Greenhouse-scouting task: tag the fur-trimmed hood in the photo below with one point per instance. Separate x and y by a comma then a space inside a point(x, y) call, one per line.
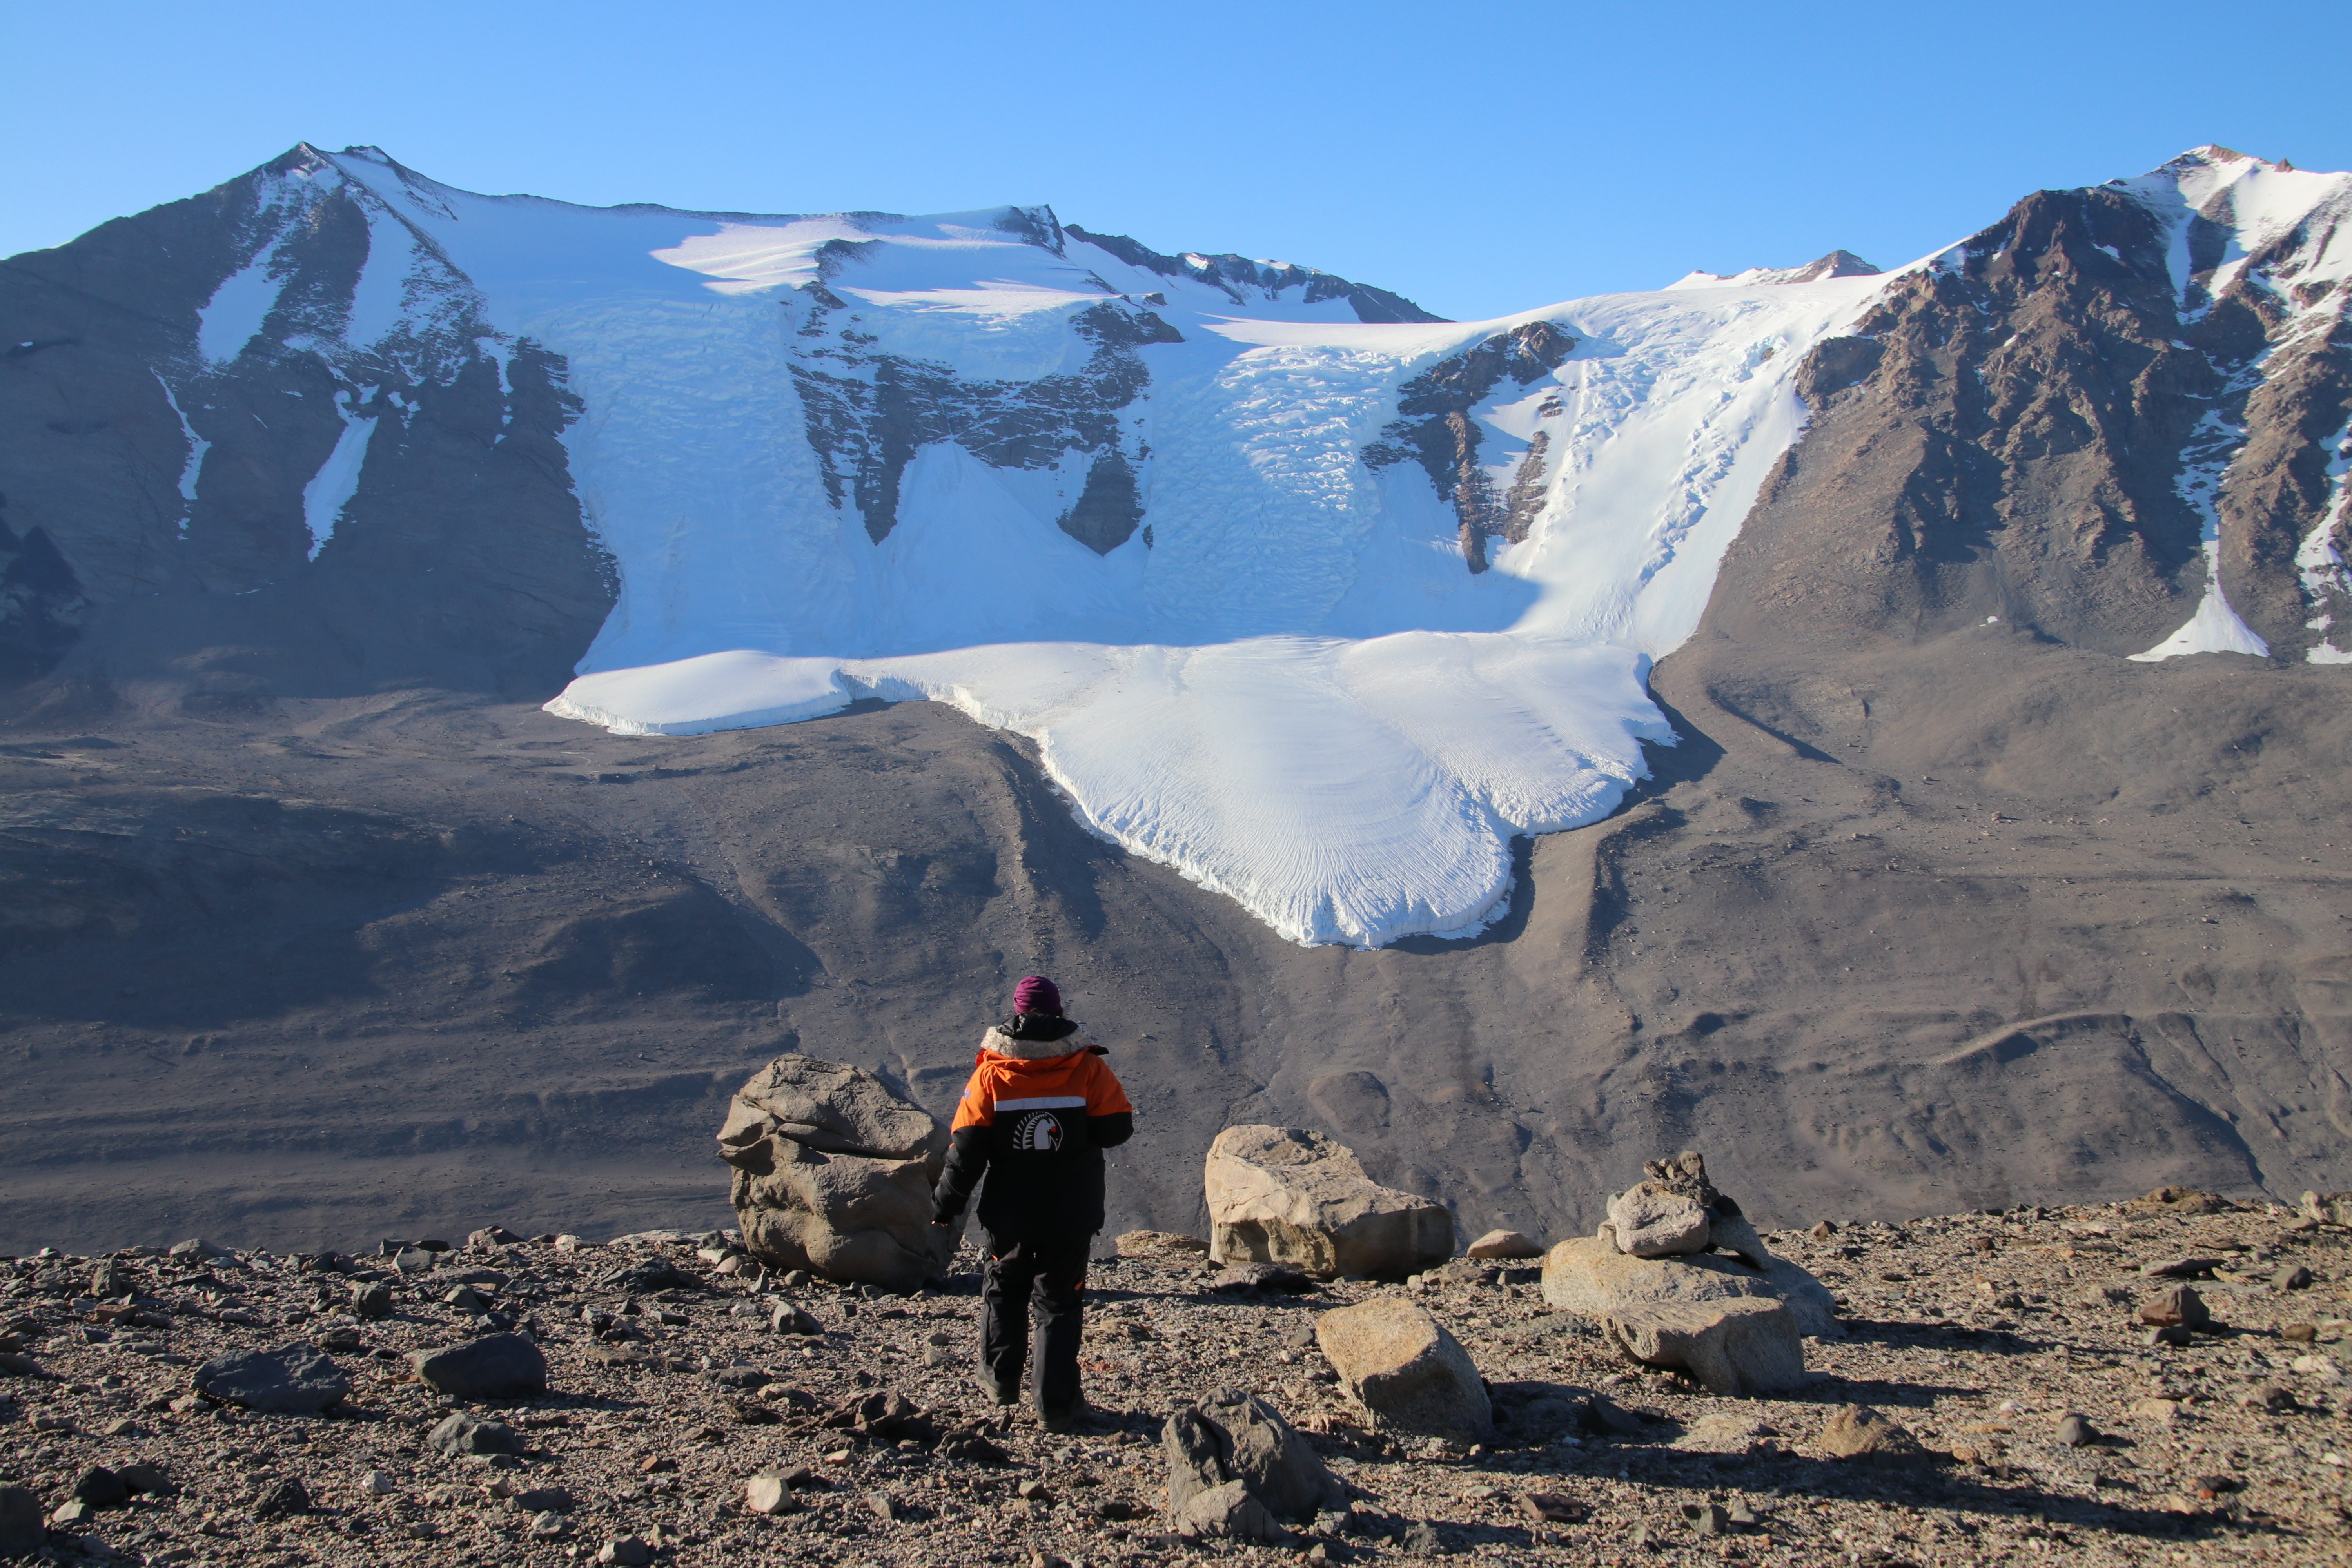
point(1037, 1036)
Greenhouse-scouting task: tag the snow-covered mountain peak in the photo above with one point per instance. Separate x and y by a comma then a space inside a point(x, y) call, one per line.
point(1299, 589)
point(1836, 263)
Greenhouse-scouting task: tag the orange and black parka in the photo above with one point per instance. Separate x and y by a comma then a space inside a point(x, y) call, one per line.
point(1041, 1106)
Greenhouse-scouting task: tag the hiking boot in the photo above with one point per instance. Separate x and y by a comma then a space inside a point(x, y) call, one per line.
point(1063, 1417)
point(996, 1392)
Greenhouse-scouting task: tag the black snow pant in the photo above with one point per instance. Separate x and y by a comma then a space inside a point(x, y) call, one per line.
point(1049, 1278)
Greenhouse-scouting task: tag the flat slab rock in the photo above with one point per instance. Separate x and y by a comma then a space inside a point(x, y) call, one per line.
point(1286, 1195)
point(496, 1366)
point(1587, 1275)
point(295, 1380)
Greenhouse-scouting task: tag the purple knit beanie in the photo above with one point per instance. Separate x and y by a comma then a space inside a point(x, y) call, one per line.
point(1035, 994)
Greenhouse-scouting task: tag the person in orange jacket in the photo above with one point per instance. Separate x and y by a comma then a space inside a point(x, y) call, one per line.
point(1041, 1108)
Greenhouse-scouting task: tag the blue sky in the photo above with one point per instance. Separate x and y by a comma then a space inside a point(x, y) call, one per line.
point(1478, 158)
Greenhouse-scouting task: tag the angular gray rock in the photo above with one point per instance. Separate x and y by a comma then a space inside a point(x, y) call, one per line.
point(1401, 1366)
point(295, 1380)
point(496, 1366)
point(1235, 1437)
point(465, 1433)
point(1737, 1348)
point(461, 1432)
point(834, 1173)
point(1283, 1194)
point(372, 1301)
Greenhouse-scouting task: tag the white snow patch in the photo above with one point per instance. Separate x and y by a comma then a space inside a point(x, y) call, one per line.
point(332, 488)
point(2215, 627)
point(234, 314)
point(197, 448)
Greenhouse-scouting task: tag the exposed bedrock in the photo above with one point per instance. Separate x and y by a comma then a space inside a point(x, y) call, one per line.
point(1434, 428)
point(2024, 434)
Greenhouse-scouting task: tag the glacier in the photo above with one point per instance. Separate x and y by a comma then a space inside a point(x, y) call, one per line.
point(1318, 603)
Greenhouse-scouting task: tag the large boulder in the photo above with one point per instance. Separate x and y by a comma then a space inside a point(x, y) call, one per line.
point(1233, 1437)
point(1738, 1348)
point(1404, 1370)
point(1282, 1194)
point(834, 1174)
point(1590, 1277)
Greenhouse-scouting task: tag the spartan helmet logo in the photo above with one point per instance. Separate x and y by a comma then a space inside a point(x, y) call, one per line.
point(1039, 1132)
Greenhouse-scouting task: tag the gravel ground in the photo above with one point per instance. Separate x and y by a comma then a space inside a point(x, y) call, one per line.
point(1979, 1333)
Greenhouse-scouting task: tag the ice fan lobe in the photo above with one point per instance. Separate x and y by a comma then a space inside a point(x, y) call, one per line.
point(269, 434)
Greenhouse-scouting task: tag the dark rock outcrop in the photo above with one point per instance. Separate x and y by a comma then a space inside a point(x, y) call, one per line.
point(1433, 427)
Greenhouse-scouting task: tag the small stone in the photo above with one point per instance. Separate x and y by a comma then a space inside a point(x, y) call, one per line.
point(1552, 1507)
point(2074, 1432)
point(1858, 1432)
point(2179, 1267)
point(1708, 1518)
point(2179, 1306)
point(2294, 1277)
point(378, 1483)
point(883, 1508)
point(2172, 1335)
point(1421, 1540)
point(767, 1494)
point(466, 1298)
point(2271, 1396)
point(1032, 1488)
point(462, 1432)
point(147, 1480)
point(72, 1513)
point(2158, 1410)
point(2299, 1333)
point(492, 1235)
point(100, 1488)
point(1502, 1244)
point(655, 1465)
point(784, 1318)
point(547, 1524)
point(628, 1550)
point(283, 1500)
